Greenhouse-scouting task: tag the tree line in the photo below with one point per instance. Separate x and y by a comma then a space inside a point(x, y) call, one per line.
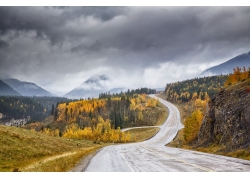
point(128, 93)
point(201, 88)
point(238, 75)
point(196, 106)
point(101, 119)
point(19, 107)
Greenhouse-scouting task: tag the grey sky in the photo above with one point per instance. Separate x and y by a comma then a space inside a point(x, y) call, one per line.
point(59, 48)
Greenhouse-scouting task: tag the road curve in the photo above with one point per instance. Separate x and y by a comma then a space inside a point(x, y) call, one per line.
point(153, 156)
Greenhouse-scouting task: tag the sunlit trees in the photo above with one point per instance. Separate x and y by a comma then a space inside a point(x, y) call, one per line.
point(85, 118)
point(237, 76)
point(192, 125)
point(102, 132)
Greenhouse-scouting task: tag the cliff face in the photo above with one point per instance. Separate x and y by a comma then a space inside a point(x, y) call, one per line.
point(227, 120)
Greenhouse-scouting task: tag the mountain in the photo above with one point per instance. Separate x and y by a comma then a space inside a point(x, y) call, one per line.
point(90, 88)
point(227, 67)
point(6, 90)
point(27, 88)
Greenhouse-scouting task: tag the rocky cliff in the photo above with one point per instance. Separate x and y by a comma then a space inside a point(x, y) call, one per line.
point(227, 120)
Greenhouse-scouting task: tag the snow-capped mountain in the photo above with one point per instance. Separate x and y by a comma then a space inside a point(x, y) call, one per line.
point(227, 67)
point(90, 88)
point(26, 88)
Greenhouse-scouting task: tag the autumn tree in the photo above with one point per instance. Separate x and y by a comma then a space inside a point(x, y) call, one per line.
point(192, 125)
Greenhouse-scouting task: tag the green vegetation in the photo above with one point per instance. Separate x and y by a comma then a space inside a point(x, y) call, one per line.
point(19, 107)
point(142, 134)
point(198, 88)
point(192, 113)
point(21, 149)
point(191, 97)
point(129, 93)
point(100, 116)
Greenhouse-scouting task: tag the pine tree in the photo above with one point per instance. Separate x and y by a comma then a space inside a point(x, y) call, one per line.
point(52, 110)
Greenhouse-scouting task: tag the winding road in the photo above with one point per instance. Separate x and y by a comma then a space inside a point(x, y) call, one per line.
point(153, 156)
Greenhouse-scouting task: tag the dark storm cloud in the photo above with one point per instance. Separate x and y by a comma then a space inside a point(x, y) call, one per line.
point(3, 44)
point(95, 47)
point(49, 20)
point(65, 42)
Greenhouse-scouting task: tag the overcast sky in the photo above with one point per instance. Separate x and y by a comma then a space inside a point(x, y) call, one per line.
point(59, 48)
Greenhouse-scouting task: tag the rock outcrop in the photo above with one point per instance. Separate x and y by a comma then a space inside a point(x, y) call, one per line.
point(227, 120)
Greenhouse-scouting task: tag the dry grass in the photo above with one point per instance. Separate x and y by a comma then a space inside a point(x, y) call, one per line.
point(163, 116)
point(142, 134)
point(60, 163)
point(21, 148)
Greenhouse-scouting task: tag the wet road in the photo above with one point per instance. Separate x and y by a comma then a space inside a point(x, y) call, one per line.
point(153, 156)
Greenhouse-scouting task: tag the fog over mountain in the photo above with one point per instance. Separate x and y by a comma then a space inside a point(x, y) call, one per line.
point(90, 88)
point(59, 48)
point(27, 88)
point(227, 67)
point(6, 90)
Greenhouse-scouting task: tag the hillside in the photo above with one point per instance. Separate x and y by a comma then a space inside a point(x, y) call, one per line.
point(27, 88)
point(226, 122)
point(6, 90)
point(25, 150)
point(221, 124)
point(185, 91)
point(123, 111)
point(227, 67)
point(22, 107)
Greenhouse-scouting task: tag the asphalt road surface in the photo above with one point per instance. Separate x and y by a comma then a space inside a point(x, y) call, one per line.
point(153, 156)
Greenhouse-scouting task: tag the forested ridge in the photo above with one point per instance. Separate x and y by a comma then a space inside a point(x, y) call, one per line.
point(192, 96)
point(18, 107)
point(201, 88)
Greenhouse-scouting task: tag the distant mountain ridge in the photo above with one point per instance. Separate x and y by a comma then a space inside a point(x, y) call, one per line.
point(92, 87)
point(6, 90)
point(227, 67)
point(26, 88)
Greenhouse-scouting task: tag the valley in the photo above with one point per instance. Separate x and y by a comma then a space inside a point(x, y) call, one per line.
point(103, 125)
point(144, 88)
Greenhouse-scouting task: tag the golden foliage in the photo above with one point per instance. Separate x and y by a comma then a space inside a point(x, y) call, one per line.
point(192, 125)
point(50, 132)
point(101, 133)
point(237, 76)
point(151, 102)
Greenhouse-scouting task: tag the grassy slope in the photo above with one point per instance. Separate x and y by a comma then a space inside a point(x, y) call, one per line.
point(163, 116)
point(142, 134)
point(26, 150)
point(21, 148)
